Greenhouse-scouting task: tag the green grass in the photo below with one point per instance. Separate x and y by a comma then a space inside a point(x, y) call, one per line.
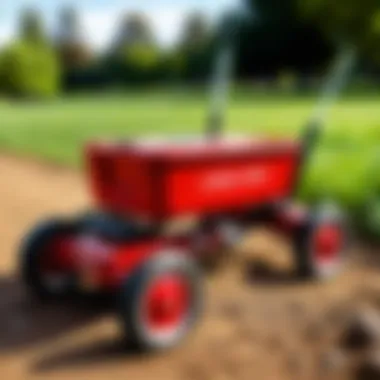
point(345, 165)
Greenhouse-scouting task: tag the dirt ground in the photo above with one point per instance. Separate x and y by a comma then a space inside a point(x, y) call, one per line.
point(259, 322)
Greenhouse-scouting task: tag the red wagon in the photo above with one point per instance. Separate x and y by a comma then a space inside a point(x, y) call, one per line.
point(225, 184)
point(139, 187)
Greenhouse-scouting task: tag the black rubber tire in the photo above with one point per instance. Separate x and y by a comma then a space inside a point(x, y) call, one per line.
point(30, 255)
point(132, 293)
point(307, 267)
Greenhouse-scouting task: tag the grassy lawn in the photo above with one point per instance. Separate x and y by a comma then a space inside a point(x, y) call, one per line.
point(345, 164)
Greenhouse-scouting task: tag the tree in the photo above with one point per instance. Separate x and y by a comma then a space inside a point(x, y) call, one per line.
point(196, 32)
point(278, 38)
point(30, 70)
point(135, 29)
point(135, 56)
point(80, 69)
point(69, 25)
point(31, 26)
point(354, 21)
point(195, 50)
point(29, 66)
point(74, 53)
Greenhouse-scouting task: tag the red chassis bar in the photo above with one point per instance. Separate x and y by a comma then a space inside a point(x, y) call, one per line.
point(100, 264)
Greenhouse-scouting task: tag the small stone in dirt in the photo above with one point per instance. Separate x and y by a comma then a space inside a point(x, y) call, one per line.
point(294, 364)
point(297, 310)
point(232, 311)
point(369, 369)
point(338, 315)
point(332, 361)
point(315, 331)
point(203, 368)
point(193, 372)
point(231, 367)
point(246, 332)
point(274, 343)
point(367, 294)
point(363, 331)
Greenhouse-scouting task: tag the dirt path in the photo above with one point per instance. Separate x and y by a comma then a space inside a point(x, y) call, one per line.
point(255, 327)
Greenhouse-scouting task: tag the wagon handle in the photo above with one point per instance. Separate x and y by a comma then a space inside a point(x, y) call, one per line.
point(224, 68)
point(337, 78)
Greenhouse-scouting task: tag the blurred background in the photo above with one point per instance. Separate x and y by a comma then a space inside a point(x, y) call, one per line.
point(72, 71)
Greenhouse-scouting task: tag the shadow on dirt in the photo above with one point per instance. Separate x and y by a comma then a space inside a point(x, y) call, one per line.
point(259, 272)
point(105, 351)
point(26, 322)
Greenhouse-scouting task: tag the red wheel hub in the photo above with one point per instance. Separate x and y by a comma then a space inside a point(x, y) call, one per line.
point(328, 242)
point(166, 303)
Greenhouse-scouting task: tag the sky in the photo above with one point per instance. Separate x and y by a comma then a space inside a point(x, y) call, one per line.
point(100, 18)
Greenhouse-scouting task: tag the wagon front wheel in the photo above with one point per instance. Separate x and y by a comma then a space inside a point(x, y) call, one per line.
point(160, 302)
point(321, 244)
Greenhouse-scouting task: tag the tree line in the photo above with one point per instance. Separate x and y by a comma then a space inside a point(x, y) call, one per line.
point(298, 36)
point(36, 65)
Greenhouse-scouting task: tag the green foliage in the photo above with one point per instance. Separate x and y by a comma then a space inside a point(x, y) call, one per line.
point(2, 74)
point(352, 20)
point(196, 48)
point(135, 57)
point(74, 55)
point(80, 66)
point(172, 66)
point(278, 38)
point(196, 32)
point(29, 66)
point(287, 80)
point(29, 69)
point(140, 58)
point(137, 63)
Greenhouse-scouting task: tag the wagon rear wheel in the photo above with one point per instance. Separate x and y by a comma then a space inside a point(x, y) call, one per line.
point(160, 302)
point(38, 267)
point(321, 245)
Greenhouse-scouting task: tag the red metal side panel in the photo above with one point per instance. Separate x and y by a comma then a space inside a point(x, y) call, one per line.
point(156, 185)
point(120, 181)
point(134, 186)
point(100, 167)
point(221, 186)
